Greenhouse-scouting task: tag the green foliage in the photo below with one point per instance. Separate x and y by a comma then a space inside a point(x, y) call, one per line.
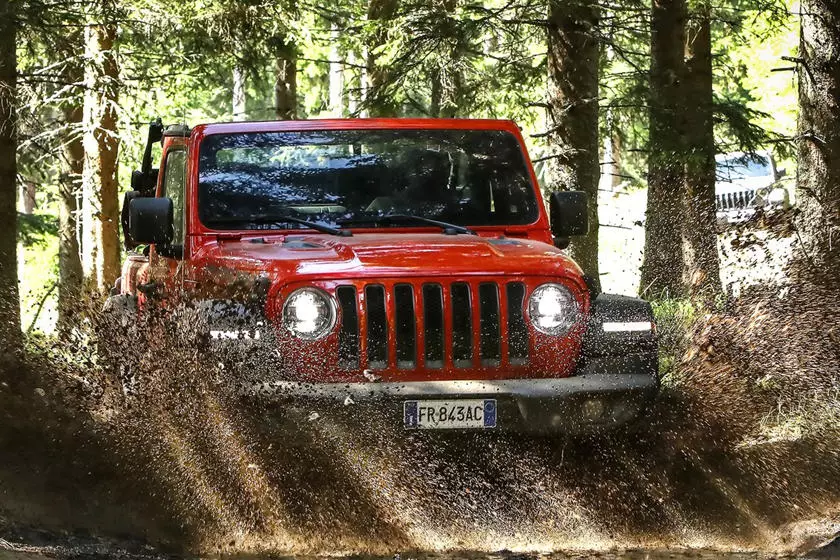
point(34, 228)
point(38, 235)
point(464, 58)
point(674, 320)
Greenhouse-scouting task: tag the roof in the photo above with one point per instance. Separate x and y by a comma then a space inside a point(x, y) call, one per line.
point(355, 124)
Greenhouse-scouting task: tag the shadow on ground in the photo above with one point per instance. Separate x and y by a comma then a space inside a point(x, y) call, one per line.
point(194, 470)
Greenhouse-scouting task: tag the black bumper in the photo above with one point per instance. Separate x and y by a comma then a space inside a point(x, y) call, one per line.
point(593, 400)
point(615, 380)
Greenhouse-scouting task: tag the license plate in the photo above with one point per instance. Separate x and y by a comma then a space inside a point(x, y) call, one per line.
point(447, 415)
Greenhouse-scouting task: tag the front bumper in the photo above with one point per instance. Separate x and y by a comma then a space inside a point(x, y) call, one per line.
point(591, 401)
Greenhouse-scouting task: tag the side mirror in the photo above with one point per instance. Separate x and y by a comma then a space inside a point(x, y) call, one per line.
point(127, 198)
point(569, 214)
point(150, 220)
point(781, 173)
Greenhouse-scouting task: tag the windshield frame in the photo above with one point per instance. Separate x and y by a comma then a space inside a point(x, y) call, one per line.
point(201, 132)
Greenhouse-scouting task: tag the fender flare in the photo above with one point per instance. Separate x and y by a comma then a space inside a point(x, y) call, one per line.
point(622, 328)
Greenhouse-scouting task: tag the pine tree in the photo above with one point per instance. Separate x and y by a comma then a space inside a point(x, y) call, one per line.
point(100, 210)
point(380, 100)
point(285, 79)
point(662, 267)
point(573, 59)
point(71, 275)
point(699, 228)
point(818, 176)
point(10, 335)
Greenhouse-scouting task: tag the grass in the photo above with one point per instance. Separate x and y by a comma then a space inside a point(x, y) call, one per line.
point(814, 416)
point(674, 321)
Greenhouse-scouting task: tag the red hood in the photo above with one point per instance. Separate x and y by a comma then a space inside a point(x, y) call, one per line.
point(365, 255)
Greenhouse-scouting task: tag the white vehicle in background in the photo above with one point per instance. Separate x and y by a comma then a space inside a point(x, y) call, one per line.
point(746, 182)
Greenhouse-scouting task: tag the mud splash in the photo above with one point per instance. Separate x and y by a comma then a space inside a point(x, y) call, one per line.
point(741, 454)
point(203, 473)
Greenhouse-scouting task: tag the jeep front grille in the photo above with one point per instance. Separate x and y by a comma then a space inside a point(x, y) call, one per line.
point(734, 201)
point(432, 325)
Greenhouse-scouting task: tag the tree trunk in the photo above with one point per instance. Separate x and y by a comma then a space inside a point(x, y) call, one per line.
point(818, 171)
point(451, 86)
point(453, 103)
point(336, 77)
point(702, 264)
point(380, 101)
point(364, 84)
point(238, 105)
point(100, 244)
point(70, 272)
point(573, 55)
point(662, 265)
point(450, 75)
point(435, 93)
point(10, 335)
point(446, 80)
point(285, 81)
point(353, 87)
point(28, 195)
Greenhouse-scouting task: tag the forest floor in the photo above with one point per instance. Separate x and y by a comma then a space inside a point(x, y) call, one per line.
point(740, 457)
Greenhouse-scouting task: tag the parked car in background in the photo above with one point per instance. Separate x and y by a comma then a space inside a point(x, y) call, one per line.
point(748, 182)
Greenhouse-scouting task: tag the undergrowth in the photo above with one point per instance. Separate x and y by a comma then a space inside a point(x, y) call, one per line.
point(674, 321)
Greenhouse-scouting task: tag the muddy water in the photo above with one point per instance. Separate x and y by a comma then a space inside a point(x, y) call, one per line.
point(238, 483)
point(232, 482)
point(190, 468)
point(38, 553)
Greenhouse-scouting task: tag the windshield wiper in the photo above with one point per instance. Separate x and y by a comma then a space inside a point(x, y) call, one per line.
point(450, 229)
point(281, 218)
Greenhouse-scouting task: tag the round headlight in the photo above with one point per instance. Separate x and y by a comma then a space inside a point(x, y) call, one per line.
point(309, 313)
point(553, 309)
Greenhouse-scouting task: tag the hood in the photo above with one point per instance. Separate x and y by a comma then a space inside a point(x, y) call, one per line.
point(743, 184)
point(383, 255)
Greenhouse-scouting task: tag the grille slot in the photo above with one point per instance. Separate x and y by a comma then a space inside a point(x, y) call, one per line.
point(405, 325)
point(734, 201)
point(377, 327)
point(517, 329)
point(348, 334)
point(433, 325)
point(461, 325)
point(490, 341)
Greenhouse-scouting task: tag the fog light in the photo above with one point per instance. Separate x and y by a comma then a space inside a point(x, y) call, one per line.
point(592, 409)
point(621, 412)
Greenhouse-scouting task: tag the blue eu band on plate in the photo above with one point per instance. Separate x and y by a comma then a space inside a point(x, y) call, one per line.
point(455, 414)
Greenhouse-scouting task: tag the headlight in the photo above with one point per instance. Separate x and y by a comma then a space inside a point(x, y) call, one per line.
point(553, 309)
point(309, 313)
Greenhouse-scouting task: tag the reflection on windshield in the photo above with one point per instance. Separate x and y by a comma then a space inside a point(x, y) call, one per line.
point(733, 169)
point(462, 177)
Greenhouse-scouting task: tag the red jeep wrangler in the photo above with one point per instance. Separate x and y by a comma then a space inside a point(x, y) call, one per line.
point(403, 264)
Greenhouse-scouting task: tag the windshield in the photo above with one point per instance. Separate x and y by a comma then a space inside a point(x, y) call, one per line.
point(733, 169)
point(464, 177)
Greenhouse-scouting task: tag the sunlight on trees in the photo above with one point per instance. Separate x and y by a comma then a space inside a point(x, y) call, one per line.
point(588, 83)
